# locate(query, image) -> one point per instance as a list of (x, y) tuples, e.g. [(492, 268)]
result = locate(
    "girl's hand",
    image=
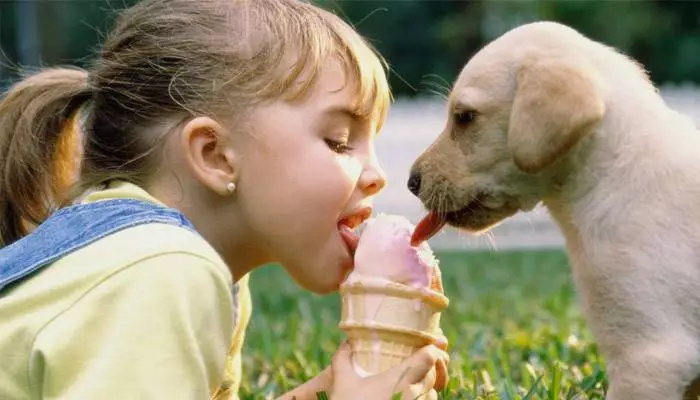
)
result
[(415, 378), (309, 389), (441, 377)]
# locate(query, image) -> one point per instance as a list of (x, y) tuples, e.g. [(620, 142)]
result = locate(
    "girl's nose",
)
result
[(373, 178)]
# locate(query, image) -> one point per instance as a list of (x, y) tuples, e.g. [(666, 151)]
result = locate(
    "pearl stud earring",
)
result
[(231, 187)]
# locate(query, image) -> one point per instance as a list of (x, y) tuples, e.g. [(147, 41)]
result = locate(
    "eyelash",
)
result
[(464, 118), (338, 147)]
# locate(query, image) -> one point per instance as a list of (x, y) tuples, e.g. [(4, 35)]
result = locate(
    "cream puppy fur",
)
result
[(544, 114)]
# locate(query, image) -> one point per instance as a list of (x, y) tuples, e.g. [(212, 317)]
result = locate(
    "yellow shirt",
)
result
[(144, 313)]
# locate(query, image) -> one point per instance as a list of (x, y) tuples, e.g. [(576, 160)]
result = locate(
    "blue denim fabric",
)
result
[(74, 227)]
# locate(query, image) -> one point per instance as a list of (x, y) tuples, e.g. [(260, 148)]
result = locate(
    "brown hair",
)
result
[(164, 62)]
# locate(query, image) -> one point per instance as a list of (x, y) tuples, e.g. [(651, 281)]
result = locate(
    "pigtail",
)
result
[(39, 144)]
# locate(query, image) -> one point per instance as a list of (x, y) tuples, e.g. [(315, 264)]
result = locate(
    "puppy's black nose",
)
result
[(414, 182)]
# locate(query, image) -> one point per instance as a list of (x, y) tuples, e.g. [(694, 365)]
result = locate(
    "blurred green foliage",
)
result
[(426, 42)]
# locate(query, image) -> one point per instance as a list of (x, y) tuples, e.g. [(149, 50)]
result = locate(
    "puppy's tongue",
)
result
[(427, 228)]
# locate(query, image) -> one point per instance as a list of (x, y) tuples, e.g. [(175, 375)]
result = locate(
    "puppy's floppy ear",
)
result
[(557, 103)]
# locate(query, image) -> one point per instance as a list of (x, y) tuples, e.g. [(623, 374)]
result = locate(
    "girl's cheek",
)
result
[(352, 166)]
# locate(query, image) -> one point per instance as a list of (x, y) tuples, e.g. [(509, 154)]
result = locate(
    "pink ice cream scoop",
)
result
[(385, 252), (392, 300)]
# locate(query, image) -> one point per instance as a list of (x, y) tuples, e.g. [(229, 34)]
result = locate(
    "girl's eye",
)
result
[(339, 147)]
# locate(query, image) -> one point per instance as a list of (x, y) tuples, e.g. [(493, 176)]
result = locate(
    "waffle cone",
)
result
[(387, 322)]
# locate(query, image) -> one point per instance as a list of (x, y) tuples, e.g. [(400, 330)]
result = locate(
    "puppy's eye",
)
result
[(464, 118)]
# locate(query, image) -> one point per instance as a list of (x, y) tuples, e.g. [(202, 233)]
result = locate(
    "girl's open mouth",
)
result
[(347, 227)]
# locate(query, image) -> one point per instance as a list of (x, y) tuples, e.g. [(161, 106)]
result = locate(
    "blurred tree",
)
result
[(437, 37), (7, 40), (675, 53), (426, 42), (47, 32), (652, 32), (28, 13)]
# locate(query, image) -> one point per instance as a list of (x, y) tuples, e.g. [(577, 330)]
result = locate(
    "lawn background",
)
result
[(514, 325)]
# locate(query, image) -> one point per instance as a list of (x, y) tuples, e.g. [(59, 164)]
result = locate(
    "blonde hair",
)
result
[(164, 62)]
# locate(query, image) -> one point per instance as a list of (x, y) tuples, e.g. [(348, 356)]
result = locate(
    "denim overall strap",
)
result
[(77, 226)]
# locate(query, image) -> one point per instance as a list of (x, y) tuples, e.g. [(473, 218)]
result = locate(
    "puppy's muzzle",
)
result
[(414, 181)]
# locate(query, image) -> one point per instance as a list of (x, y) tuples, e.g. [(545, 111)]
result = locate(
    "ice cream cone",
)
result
[(386, 322)]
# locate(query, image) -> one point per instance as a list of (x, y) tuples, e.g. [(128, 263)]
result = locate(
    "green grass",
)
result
[(514, 326)]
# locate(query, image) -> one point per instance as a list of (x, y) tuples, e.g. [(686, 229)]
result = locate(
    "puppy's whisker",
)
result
[(447, 204), (528, 218), (439, 205), (442, 206), (438, 83), (492, 240), (437, 77), (439, 95)]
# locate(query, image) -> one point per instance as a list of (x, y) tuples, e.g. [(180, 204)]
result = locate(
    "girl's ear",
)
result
[(208, 153)]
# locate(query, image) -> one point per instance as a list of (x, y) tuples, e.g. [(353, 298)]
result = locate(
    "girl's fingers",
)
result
[(441, 377), (441, 342), (341, 363), (416, 367), (441, 365)]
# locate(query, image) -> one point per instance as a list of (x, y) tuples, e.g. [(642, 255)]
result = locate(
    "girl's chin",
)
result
[(323, 271), (324, 278), (333, 274), (324, 286)]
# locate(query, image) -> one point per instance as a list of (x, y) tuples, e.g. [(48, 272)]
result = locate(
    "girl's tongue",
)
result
[(350, 238)]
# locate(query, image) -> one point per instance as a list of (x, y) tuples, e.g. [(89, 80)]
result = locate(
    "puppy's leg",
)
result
[(654, 370)]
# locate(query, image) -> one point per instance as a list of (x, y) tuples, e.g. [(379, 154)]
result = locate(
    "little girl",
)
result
[(214, 136)]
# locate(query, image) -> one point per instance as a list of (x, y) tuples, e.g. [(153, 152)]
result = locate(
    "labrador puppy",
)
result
[(545, 115)]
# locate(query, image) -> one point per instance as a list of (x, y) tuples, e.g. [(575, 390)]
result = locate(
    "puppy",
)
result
[(544, 114)]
